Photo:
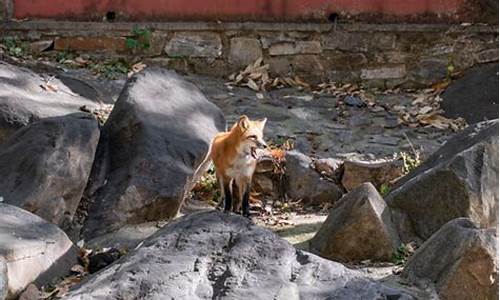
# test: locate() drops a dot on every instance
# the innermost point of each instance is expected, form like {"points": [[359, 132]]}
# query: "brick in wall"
{"points": [[110, 44]]}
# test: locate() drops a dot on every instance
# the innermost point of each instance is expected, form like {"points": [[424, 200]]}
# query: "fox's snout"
{"points": [[261, 144]]}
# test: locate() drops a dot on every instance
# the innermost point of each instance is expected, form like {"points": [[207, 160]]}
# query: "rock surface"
{"points": [[329, 167], [31, 249], [212, 255], [101, 260], [378, 173], [267, 185], [44, 166], [460, 259], [158, 131], [358, 228], [267, 181], [459, 180], [40, 46], [3, 280], [473, 97], [91, 88], [244, 51], [302, 182], [127, 237], [26, 97], [30, 293]]}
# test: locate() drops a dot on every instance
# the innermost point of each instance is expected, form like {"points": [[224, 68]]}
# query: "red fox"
{"points": [[235, 157]]}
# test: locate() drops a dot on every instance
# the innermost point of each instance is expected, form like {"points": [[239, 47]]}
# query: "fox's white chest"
{"points": [[242, 167]]}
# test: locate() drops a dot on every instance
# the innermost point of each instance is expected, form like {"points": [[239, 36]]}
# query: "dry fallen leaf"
{"points": [[49, 87], [419, 100], [78, 269], [440, 86], [300, 82], [425, 110], [254, 76], [436, 121], [251, 84], [136, 68], [81, 61]]}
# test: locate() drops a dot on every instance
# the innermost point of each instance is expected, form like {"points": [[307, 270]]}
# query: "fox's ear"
{"points": [[243, 122], [263, 122]]}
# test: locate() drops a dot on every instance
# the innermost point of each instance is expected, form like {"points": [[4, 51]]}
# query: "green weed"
{"points": [[207, 187], [450, 68], [402, 254], [15, 47], [384, 189], [410, 161], [111, 69], [140, 39], [63, 56]]}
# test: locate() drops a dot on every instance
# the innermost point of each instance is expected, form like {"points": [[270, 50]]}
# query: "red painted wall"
{"points": [[234, 10]]}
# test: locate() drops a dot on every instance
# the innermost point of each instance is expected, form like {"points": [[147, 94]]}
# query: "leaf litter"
{"points": [[423, 111]]}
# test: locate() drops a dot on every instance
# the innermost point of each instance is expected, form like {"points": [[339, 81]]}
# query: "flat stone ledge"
{"points": [[167, 26], [245, 26]]}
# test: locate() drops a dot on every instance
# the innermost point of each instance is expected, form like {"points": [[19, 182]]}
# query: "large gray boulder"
{"points": [[44, 166], [31, 250], [358, 227], [305, 183], [458, 180], [460, 260], [158, 132], [473, 97], [26, 96], [214, 255]]}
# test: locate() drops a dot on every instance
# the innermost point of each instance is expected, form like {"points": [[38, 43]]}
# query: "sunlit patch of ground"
{"points": [[299, 229]]}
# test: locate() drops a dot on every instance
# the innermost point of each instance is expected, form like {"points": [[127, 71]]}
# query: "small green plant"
{"points": [[450, 68], [410, 162], [402, 254], [63, 56], [140, 39], [207, 187], [111, 69], [384, 189], [15, 47]]}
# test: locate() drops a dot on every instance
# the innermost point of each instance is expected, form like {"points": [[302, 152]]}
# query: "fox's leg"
{"points": [[246, 205], [222, 193], [246, 198], [228, 199], [237, 196], [243, 193], [235, 193]]}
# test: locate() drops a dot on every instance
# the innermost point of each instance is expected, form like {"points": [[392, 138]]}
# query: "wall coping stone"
{"points": [[245, 26]]}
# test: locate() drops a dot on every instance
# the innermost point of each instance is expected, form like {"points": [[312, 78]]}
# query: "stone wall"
{"points": [[379, 55]]}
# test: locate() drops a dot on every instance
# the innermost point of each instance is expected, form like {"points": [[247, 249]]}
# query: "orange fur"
{"points": [[233, 154]]}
